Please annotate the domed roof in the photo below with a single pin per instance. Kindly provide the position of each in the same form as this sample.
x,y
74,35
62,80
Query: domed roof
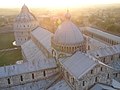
x,y
25,15
68,33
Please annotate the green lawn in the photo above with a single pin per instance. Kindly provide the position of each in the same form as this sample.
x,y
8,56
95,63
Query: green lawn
x,y
6,40
8,57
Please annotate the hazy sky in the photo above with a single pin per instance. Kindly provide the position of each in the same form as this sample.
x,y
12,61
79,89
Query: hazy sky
x,y
53,3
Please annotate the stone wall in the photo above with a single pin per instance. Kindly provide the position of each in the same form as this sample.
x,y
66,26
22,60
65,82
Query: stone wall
x,y
99,73
101,38
27,77
109,58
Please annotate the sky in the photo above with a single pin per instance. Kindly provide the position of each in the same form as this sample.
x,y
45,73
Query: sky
x,y
53,3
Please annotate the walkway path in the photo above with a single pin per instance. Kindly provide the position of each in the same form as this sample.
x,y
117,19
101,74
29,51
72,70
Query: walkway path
x,y
9,49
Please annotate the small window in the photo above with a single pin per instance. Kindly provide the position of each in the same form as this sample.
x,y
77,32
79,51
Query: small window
x,y
32,75
116,75
72,48
108,76
67,75
101,69
91,71
97,55
44,74
95,79
8,81
73,81
111,57
103,60
21,78
88,47
83,83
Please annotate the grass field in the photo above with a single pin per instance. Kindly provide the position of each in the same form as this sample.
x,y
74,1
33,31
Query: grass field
x,y
8,57
6,40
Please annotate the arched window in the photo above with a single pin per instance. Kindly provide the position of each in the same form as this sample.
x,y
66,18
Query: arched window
x,y
21,78
8,81
116,75
101,69
96,79
44,74
83,83
32,75
67,75
88,47
104,60
91,71
108,76
72,81
112,57
72,48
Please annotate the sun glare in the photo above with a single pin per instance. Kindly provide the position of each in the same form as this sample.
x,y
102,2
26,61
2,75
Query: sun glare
x,y
54,3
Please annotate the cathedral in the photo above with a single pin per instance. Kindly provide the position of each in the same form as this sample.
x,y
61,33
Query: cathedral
x,y
72,58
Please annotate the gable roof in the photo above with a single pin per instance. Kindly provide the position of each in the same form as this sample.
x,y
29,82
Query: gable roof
x,y
43,36
111,50
79,64
36,61
104,34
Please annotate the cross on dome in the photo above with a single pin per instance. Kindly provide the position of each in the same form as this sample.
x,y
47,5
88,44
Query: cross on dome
x,y
68,15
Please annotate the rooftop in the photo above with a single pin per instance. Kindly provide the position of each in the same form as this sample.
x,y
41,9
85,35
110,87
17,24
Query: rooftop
x,y
107,35
99,86
61,85
111,50
36,61
43,36
79,64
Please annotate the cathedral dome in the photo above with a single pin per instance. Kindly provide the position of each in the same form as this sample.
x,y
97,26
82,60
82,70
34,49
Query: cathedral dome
x,y
68,33
25,15
68,38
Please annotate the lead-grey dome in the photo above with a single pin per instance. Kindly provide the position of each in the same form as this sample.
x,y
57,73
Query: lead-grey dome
x,y
68,33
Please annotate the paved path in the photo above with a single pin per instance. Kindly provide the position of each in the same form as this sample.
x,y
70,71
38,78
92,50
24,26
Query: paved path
x,y
9,49
6,31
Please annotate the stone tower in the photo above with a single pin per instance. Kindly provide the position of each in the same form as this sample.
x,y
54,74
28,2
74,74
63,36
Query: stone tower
x,y
24,23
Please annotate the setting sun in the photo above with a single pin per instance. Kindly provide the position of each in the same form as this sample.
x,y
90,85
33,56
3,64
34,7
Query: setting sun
x,y
54,3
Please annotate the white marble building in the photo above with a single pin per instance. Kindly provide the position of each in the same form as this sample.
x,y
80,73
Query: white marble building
x,y
24,24
66,60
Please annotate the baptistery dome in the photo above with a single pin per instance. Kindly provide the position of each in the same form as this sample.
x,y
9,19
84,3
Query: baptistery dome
x,y
25,15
